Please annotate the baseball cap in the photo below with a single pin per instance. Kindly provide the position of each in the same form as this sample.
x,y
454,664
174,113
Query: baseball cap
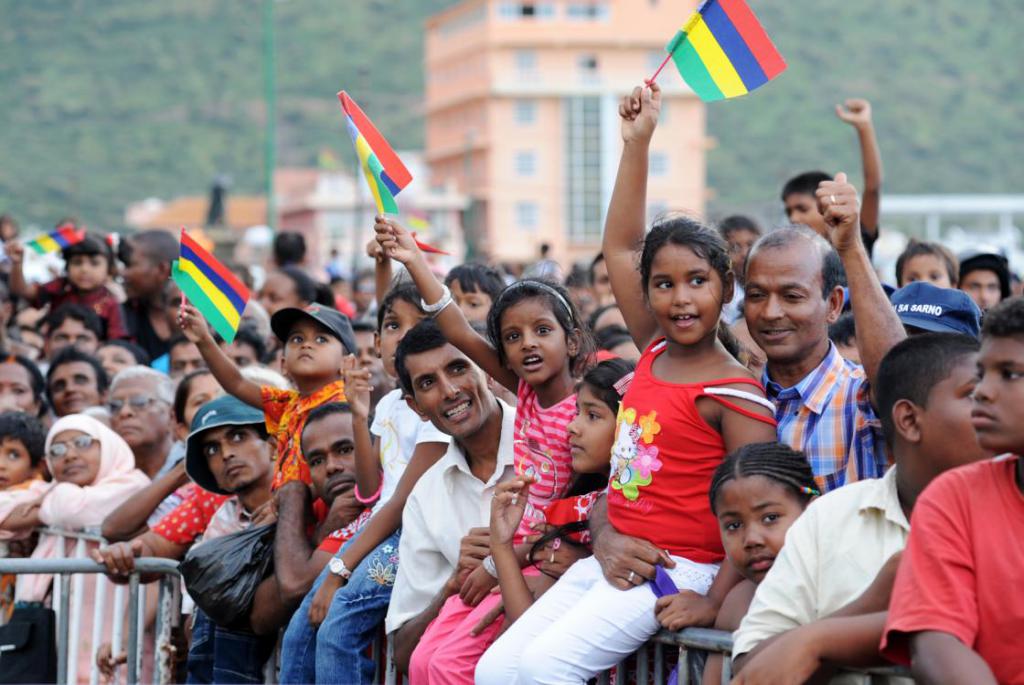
x,y
227,410
987,261
331,319
939,310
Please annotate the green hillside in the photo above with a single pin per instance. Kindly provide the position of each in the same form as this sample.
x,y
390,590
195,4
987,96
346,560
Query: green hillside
x,y
109,102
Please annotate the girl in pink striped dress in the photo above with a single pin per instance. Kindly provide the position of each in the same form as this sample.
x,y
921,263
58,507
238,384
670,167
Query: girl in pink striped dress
x,y
537,347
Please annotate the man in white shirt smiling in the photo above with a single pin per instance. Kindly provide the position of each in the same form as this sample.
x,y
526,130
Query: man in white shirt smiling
x,y
454,497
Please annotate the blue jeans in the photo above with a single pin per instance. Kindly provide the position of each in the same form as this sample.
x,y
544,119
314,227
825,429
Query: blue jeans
x,y
336,653
219,655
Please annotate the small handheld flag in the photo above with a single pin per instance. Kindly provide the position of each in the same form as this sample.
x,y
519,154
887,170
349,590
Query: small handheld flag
x,y
64,236
216,292
384,171
723,51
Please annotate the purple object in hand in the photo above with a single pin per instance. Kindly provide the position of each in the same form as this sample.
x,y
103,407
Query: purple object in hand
x,y
662,584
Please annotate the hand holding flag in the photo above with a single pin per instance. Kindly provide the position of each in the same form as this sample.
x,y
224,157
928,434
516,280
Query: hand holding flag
x,y
216,292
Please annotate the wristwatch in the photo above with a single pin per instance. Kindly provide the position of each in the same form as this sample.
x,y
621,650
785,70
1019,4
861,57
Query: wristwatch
x,y
337,566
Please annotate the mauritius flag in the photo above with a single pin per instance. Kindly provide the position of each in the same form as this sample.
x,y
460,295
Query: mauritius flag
x,y
723,51
216,292
384,171
64,236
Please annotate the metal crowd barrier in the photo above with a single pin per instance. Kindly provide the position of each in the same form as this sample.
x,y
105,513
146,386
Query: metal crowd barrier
x,y
648,665
68,594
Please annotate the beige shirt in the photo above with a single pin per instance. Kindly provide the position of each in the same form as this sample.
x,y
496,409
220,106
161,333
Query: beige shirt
x,y
447,501
832,554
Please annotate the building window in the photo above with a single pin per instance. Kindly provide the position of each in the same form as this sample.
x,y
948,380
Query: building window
x,y
526,163
526,61
659,164
526,215
587,63
526,10
583,198
587,11
526,111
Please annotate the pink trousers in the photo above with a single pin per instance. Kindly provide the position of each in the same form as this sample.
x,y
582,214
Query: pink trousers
x,y
447,653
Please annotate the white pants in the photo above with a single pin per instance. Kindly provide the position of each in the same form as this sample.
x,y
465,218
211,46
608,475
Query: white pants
x,y
581,626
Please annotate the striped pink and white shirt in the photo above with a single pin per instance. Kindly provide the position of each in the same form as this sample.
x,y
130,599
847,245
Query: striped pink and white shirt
x,y
541,450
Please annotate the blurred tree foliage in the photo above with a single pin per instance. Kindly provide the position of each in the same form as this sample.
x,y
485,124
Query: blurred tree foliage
x,y
105,103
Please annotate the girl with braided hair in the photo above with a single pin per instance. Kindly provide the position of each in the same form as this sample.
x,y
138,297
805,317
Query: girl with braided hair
x,y
757,492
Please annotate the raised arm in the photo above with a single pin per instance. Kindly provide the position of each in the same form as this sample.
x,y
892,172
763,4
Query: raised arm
x,y
627,212
857,113
872,312
357,390
382,272
223,369
19,286
400,246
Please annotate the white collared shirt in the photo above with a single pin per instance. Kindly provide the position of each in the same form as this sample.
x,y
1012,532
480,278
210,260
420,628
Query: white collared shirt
x,y
831,555
446,502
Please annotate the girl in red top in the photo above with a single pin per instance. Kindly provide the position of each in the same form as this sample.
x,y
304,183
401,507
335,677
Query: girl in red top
x,y
690,403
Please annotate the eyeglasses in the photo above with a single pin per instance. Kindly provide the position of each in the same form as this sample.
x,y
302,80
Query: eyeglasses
x,y
136,402
59,450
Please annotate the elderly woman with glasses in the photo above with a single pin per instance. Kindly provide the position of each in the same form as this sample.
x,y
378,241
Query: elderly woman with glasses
x,y
141,405
93,472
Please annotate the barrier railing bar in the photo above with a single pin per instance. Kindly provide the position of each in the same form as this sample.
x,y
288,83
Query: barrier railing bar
x,y
166,622
63,626
77,598
98,610
641,664
117,633
659,662
72,566
140,621
133,629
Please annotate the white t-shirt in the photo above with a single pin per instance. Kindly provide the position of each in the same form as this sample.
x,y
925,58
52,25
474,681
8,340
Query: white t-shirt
x,y
398,429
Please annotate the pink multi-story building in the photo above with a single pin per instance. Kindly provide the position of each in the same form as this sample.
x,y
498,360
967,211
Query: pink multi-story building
x,y
521,113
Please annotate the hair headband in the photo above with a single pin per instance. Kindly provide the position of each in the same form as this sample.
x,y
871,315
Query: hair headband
x,y
540,285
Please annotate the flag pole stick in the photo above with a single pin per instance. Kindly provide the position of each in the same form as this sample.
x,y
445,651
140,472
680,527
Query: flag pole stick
x,y
658,71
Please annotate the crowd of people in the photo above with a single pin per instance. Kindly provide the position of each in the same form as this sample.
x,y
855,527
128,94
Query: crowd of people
x,y
524,479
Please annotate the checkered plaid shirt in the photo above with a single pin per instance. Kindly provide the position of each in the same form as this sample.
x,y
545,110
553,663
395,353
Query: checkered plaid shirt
x,y
829,416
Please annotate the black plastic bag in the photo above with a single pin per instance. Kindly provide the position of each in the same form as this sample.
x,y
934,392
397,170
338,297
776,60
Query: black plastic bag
x,y
222,575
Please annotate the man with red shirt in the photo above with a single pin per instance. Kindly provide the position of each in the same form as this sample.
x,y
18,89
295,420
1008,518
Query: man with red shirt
x,y
956,614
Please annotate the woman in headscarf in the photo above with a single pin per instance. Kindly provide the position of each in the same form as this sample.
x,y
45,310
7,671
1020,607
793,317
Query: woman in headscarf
x,y
93,472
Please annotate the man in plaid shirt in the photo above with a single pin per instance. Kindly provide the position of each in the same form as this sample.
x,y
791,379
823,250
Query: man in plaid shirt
x,y
793,292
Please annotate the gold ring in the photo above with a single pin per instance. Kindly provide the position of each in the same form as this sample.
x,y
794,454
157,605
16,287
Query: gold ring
x,y
632,577
552,559
832,199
